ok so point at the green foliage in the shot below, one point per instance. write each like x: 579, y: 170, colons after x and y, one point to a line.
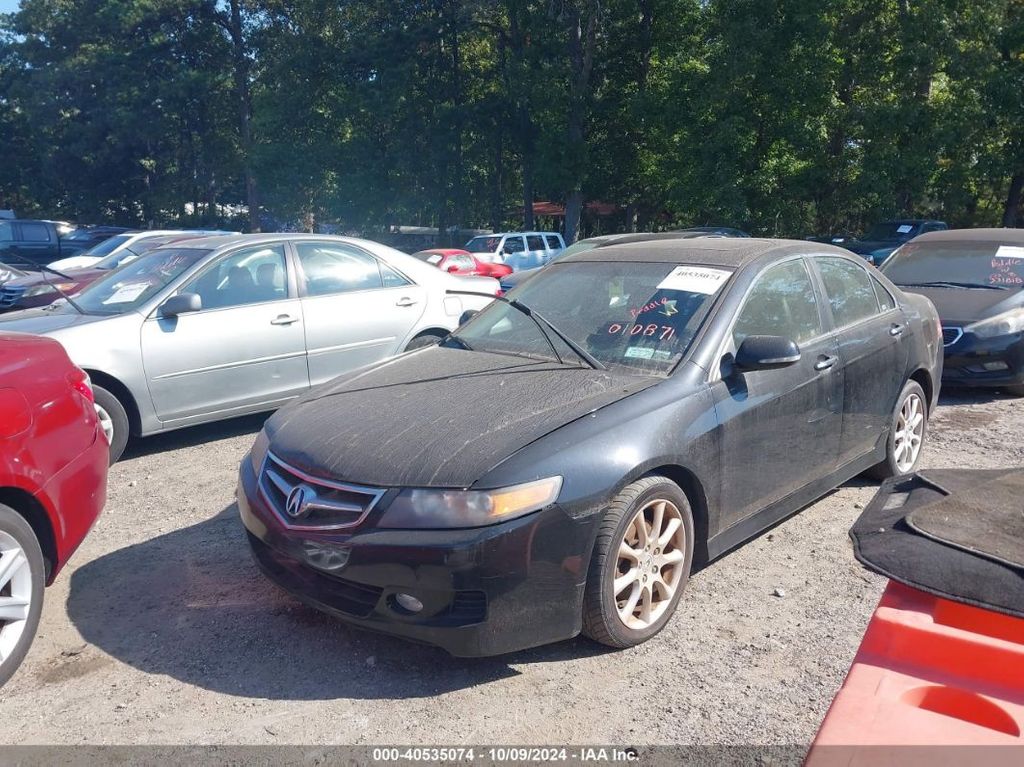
x: 790, y: 117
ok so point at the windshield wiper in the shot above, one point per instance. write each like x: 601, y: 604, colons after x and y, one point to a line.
x: 540, y: 321
x: 43, y: 270
x: 951, y: 284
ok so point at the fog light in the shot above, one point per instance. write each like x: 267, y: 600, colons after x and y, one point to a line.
x: 408, y: 602
x: 995, y: 366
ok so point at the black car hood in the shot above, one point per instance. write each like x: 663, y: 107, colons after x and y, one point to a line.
x: 966, y: 305
x: 865, y: 247
x: 438, y: 417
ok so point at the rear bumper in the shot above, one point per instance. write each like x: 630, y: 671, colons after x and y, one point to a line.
x: 75, y: 496
x: 485, y: 591
x: 973, y: 361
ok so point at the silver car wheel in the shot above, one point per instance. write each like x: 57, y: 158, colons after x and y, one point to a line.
x: 650, y: 564
x: 15, y: 594
x: 909, y: 433
x: 106, y: 423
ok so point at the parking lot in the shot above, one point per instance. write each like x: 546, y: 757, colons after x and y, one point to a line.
x: 161, y: 630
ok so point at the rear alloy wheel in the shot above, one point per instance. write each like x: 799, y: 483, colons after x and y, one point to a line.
x: 641, y: 563
x: 21, y: 590
x: 1015, y: 391
x: 906, y: 434
x: 113, y: 420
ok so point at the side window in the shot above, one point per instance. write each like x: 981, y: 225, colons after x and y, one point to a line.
x: 781, y: 303
x: 35, y: 233
x: 553, y: 243
x: 248, y: 276
x: 850, y: 290
x: 885, y: 299
x: 390, y: 277
x: 534, y: 242
x: 6, y: 232
x: 335, y: 268
x: 463, y: 262
x: 513, y: 245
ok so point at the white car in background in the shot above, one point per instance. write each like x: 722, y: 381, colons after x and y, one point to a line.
x: 121, y: 242
x: 205, y: 329
x: 520, y: 250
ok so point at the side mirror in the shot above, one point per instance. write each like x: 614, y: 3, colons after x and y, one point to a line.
x: 181, y: 304
x: 766, y: 353
x: 467, y: 316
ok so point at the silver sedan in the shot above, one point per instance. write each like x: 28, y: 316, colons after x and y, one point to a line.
x: 217, y: 327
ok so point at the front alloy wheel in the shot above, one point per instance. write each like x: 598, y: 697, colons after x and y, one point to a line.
x: 641, y: 563
x: 909, y: 433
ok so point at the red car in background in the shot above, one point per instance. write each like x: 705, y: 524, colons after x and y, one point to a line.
x: 53, y: 479
x: 462, y: 262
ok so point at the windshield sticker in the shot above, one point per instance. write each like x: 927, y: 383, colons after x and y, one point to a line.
x: 125, y: 294
x: 1013, y: 252
x: 639, y: 353
x: 904, y: 228
x: 695, y: 279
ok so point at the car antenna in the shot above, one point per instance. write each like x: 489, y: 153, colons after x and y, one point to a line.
x: 538, y: 318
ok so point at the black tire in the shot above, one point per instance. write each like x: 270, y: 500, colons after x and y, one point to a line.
x: 1015, y: 391
x: 888, y: 467
x: 425, y: 339
x: 601, y: 621
x: 118, y: 418
x: 14, y: 525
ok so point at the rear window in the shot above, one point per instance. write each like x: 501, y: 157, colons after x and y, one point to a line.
x: 534, y: 242
x: 553, y: 243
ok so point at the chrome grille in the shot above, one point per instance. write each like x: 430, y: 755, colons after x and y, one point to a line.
x: 9, y: 296
x: 304, y: 502
x: 950, y: 335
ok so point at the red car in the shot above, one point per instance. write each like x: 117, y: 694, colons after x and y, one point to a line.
x: 53, y: 479
x: 462, y: 262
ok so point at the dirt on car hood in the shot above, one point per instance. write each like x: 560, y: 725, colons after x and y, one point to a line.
x: 438, y: 417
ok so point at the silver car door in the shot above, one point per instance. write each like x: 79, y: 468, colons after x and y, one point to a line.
x: 356, y: 309
x: 244, y: 350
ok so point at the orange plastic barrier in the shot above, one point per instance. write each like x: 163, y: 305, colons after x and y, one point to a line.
x: 929, y: 672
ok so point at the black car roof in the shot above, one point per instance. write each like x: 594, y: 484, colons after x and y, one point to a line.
x: 714, y: 251
x: 1006, y: 236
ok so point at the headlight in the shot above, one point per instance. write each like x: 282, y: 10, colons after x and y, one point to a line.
x: 258, y: 451
x: 42, y: 290
x: 427, y: 508
x: 1003, y: 324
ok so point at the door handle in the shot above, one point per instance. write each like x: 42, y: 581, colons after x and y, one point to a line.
x: 896, y: 329
x: 405, y: 301
x: 284, y: 319
x: 825, y: 361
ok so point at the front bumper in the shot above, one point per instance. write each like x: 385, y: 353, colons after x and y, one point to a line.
x: 973, y: 361
x: 485, y: 591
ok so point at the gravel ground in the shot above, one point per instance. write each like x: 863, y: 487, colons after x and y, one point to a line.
x: 161, y: 630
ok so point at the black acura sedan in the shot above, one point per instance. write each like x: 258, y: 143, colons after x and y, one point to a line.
x: 975, y: 277
x: 562, y: 461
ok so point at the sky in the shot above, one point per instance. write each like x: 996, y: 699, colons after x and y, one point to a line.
x: 7, y: 6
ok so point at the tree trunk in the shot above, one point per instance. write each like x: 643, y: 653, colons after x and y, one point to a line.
x: 573, y: 213
x: 243, y: 97
x: 1013, y: 199
x: 581, y: 43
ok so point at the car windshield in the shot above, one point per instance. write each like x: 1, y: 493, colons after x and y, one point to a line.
x: 430, y: 258
x: 637, y: 316
x: 108, y: 246
x: 980, y: 264
x: 127, y: 288
x: 487, y: 244
x: 891, y: 230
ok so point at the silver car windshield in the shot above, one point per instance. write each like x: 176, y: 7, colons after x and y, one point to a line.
x: 134, y: 284
x: 637, y: 316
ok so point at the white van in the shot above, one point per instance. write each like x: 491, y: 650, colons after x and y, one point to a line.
x: 520, y: 250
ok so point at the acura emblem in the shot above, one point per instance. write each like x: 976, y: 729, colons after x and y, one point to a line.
x: 298, y: 500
